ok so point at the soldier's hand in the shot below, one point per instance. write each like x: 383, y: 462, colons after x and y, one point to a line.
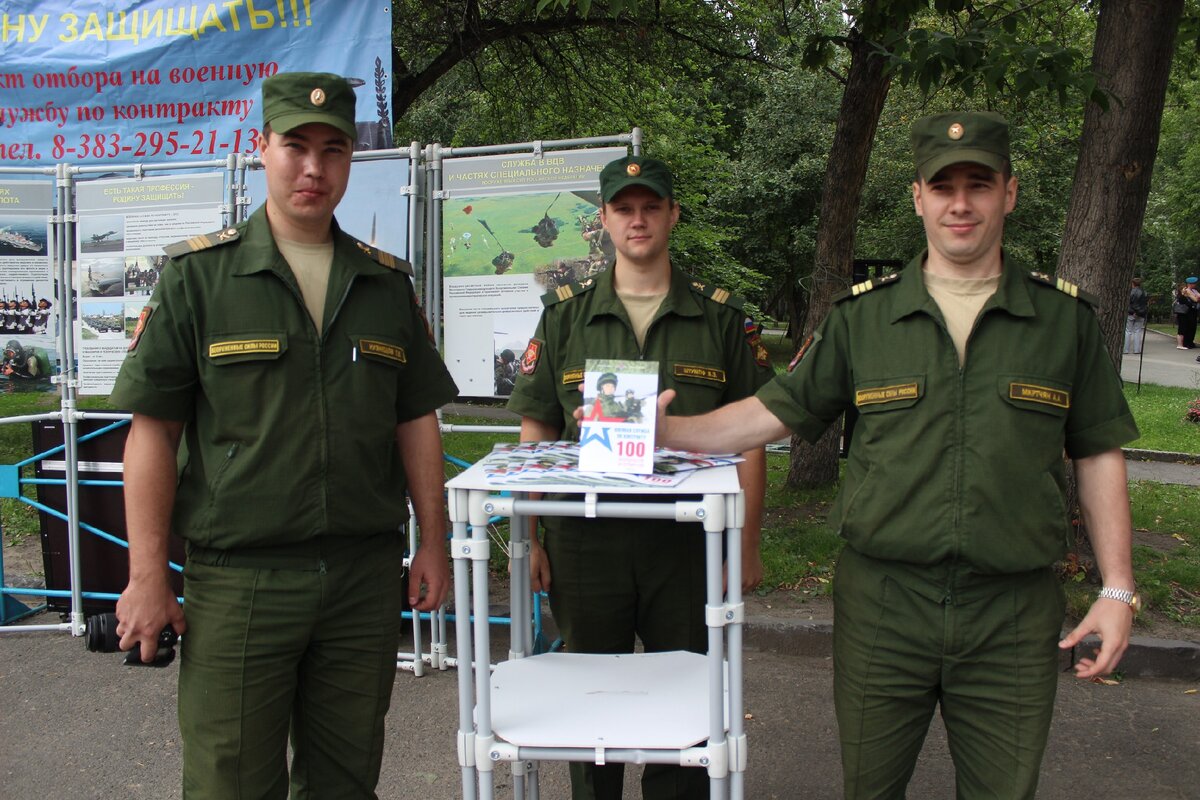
x: 143, y: 610
x: 539, y: 567
x: 430, y: 568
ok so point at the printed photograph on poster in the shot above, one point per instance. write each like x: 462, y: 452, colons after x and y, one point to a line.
x: 103, y: 234
x: 620, y: 399
x: 142, y: 273
x: 556, y: 237
x: 100, y: 277
x: 100, y: 320
x: 22, y: 236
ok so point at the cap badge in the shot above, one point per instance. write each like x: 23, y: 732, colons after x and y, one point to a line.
x: 633, y: 170
x: 956, y: 131
x: 317, y: 97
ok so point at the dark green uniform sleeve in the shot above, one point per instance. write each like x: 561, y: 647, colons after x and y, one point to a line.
x: 427, y: 383
x: 159, y: 376
x: 1099, y: 418
x: 535, y: 394
x: 818, y: 389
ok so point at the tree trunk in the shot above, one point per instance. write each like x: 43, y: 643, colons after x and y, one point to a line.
x: 846, y: 171
x: 1132, y: 61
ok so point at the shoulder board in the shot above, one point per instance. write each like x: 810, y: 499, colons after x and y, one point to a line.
x: 194, y: 244
x: 384, y: 258
x: 859, y: 289
x: 1066, y: 287
x: 718, y: 295
x: 567, y: 291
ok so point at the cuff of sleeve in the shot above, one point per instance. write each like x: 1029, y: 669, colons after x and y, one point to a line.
x: 1097, y: 439
x: 422, y: 403
x: 173, y: 405
x: 780, y: 402
x: 526, y: 407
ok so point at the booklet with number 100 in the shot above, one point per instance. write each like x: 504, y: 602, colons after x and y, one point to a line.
x: 620, y: 399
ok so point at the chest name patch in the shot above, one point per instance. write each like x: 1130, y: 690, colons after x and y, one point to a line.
x: 1039, y: 394
x: 886, y: 394
x: 703, y: 373
x: 242, y: 346
x: 383, y: 350
x: 572, y: 376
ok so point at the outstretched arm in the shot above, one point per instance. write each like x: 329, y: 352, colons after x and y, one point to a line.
x: 733, y: 428
x: 1104, y: 503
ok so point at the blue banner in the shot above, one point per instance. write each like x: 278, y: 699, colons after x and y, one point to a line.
x: 146, y: 81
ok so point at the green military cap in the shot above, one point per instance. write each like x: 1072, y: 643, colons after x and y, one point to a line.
x: 977, y: 137
x: 635, y: 171
x: 607, y: 377
x: 292, y: 99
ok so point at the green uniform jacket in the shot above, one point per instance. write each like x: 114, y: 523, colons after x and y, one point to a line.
x: 289, y: 435
x: 698, y: 337
x: 958, y: 465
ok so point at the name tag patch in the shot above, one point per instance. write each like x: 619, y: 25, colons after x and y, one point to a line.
x: 572, y: 376
x: 701, y: 372
x: 1039, y: 394
x: 886, y: 394
x: 370, y: 347
x: 242, y: 346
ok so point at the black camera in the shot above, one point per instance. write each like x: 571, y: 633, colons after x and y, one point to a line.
x: 102, y: 637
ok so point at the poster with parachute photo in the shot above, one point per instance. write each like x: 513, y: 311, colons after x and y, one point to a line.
x: 513, y: 228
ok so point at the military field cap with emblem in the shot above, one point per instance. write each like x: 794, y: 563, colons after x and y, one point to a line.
x: 292, y: 99
x: 635, y: 171
x: 976, y: 137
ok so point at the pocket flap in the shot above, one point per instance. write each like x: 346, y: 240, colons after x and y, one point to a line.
x: 1035, y: 393
x: 887, y: 394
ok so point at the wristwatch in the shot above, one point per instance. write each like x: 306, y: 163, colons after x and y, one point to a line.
x: 1126, y: 596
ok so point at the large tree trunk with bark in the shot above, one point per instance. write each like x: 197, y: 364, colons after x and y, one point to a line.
x: 845, y: 173
x: 1132, y: 60
x: 1135, y: 40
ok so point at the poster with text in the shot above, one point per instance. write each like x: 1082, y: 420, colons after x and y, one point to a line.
x: 134, y: 81
x: 28, y: 301
x: 123, y: 226
x: 513, y: 228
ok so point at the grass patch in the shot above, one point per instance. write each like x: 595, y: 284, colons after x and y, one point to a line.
x: 1159, y: 412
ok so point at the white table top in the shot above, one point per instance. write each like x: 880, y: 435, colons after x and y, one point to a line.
x: 713, y: 480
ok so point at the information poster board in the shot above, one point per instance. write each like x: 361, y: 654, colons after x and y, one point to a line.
x: 28, y: 301
x: 513, y: 228
x: 122, y: 227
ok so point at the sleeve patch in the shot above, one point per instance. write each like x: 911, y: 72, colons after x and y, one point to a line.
x: 803, y: 351
x: 531, y: 356
x: 142, y: 321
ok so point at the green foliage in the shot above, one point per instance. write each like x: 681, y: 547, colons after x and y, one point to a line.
x: 1167, y: 567
x: 1161, y: 412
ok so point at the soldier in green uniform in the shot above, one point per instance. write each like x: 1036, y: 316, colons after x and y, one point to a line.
x: 611, y: 580
x: 971, y: 377
x: 296, y: 368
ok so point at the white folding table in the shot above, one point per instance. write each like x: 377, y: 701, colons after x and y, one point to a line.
x: 638, y: 708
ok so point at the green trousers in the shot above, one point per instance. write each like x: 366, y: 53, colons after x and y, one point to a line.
x: 984, y: 648
x: 309, y: 649
x: 612, y: 580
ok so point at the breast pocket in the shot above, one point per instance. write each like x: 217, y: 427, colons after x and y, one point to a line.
x: 700, y: 385
x: 241, y: 371
x: 888, y: 411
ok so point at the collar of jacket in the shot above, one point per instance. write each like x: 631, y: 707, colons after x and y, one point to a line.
x: 910, y: 295
x: 257, y: 251
x: 679, y: 300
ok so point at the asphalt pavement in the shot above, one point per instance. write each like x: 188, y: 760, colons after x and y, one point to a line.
x: 76, y: 725
x: 1160, y: 363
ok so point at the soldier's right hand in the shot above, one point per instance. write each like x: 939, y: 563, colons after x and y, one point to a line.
x: 539, y: 567
x: 143, y: 610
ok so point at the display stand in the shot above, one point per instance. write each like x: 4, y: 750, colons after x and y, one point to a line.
x: 636, y: 708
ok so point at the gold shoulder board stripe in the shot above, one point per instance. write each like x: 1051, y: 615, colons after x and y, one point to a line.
x: 720, y: 295
x: 861, y: 288
x: 564, y: 292
x: 198, y: 242
x: 243, y: 346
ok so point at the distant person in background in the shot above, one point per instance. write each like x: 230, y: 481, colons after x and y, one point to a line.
x: 1135, y: 319
x: 1187, y: 301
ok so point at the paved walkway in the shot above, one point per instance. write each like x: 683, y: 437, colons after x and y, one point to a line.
x: 1160, y: 363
